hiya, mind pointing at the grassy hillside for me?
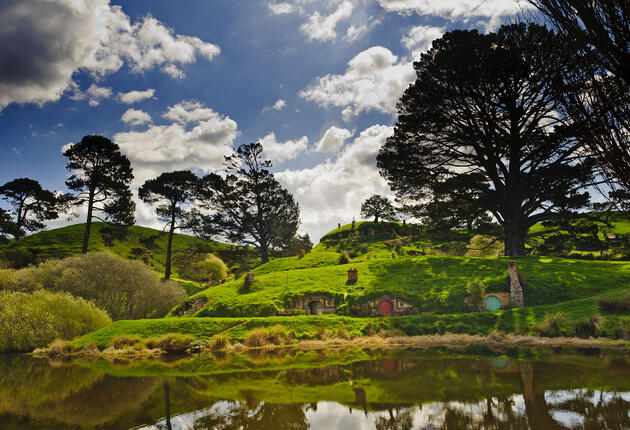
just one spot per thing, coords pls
(67, 241)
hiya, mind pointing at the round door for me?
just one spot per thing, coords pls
(493, 303)
(385, 307)
(315, 307)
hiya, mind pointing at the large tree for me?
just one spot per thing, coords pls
(595, 89)
(378, 207)
(249, 205)
(32, 205)
(485, 104)
(101, 175)
(172, 192)
(6, 225)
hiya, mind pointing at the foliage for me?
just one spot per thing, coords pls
(552, 324)
(476, 288)
(29, 321)
(171, 191)
(343, 258)
(484, 246)
(595, 92)
(211, 269)
(101, 175)
(378, 207)
(461, 115)
(126, 289)
(614, 305)
(171, 342)
(249, 206)
(299, 245)
(32, 205)
(219, 342)
(588, 326)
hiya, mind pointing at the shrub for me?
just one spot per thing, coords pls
(256, 338)
(342, 333)
(211, 269)
(476, 288)
(484, 246)
(60, 347)
(219, 342)
(18, 258)
(343, 258)
(614, 305)
(29, 321)
(141, 253)
(123, 341)
(551, 325)
(90, 349)
(320, 333)
(588, 326)
(277, 335)
(171, 342)
(622, 330)
(126, 289)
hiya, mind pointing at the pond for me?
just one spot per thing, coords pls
(342, 389)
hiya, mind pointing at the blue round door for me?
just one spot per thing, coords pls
(493, 303)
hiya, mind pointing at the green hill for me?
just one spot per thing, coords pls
(67, 241)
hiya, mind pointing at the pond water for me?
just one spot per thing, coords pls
(430, 389)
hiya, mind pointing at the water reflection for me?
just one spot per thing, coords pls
(421, 391)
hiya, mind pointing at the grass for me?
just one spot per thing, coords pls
(67, 241)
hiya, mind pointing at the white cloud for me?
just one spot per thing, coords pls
(332, 192)
(94, 94)
(282, 8)
(418, 39)
(136, 96)
(488, 11)
(279, 152)
(198, 138)
(333, 139)
(44, 42)
(278, 105)
(135, 117)
(322, 28)
(375, 80)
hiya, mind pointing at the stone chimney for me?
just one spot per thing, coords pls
(516, 292)
(353, 275)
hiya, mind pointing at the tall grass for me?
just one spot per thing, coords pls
(29, 321)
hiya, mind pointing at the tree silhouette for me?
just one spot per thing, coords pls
(248, 204)
(172, 191)
(378, 207)
(485, 104)
(101, 175)
(595, 89)
(32, 205)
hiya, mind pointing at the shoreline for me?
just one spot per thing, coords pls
(495, 341)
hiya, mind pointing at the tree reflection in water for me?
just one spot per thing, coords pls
(240, 415)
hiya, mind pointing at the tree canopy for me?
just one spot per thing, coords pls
(595, 89)
(32, 205)
(172, 192)
(485, 104)
(378, 207)
(248, 205)
(101, 175)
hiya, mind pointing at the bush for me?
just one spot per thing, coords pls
(18, 258)
(29, 321)
(211, 269)
(220, 342)
(551, 325)
(614, 305)
(171, 342)
(277, 335)
(342, 333)
(256, 338)
(90, 349)
(588, 326)
(476, 288)
(320, 333)
(123, 341)
(343, 258)
(60, 347)
(126, 289)
(622, 330)
(484, 246)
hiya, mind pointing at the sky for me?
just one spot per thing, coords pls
(178, 85)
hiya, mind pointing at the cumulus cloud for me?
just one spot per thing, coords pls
(322, 28)
(279, 152)
(43, 42)
(374, 80)
(282, 8)
(419, 38)
(198, 138)
(135, 117)
(278, 105)
(136, 96)
(94, 94)
(332, 192)
(333, 139)
(489, 12)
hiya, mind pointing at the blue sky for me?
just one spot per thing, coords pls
(178, 84)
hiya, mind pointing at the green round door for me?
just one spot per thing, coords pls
(493, 303)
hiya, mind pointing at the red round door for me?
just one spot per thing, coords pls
(385, 307)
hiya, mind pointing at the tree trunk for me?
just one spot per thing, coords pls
(376, 218)
(169, 247)
(88, 222)
(264, 253)
(514, 240)
(18, 222)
